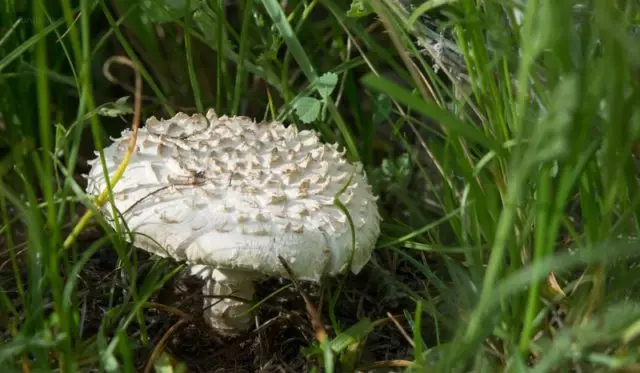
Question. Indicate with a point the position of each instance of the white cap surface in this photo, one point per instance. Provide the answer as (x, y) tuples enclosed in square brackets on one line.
[(230, 193)]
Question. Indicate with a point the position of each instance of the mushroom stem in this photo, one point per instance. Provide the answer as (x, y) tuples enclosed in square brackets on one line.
[(229, 316)]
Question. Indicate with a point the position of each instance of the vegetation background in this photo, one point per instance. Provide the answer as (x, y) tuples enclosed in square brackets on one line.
[(501, 135)]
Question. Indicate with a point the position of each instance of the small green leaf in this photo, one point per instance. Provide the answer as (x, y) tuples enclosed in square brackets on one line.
[(359, 8), (424, 8), (355, 333), (326, 84), (397, 169), (381, 107), (161, 11), (61, 135), (403, 165), (109, 361), (308, 108), (114, 109), (387, 167), (165, 365)]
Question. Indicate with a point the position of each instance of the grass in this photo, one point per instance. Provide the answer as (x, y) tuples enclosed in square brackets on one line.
[(505, 156)]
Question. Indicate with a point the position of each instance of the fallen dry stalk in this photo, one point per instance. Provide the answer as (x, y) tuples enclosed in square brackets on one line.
[(385, 364), (159, 349), (314, 316), (404, 333)]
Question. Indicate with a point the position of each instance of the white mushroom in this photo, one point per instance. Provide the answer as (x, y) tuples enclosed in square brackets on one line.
[(229, 196)]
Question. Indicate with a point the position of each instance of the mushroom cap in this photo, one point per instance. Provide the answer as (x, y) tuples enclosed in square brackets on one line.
[(228, 192)]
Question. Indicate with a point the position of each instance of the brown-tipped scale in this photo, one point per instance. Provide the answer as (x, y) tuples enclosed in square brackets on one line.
[(229, 196)]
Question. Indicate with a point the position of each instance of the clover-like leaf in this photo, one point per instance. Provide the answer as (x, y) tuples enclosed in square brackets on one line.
[(308, 108), (326, 83)]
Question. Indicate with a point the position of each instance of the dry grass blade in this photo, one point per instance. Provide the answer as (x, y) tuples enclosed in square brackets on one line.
[(157, 351), (316, 320), (385, 364), (130, 149), (171, 310), (397, 324)]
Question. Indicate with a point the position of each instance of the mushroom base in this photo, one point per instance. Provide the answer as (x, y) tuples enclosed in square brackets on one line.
[(227, 299)]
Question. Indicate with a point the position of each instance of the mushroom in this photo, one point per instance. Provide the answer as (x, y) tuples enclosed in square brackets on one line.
[(229, 196)]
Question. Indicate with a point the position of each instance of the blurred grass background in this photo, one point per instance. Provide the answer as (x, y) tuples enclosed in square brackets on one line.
[(501, 135)]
